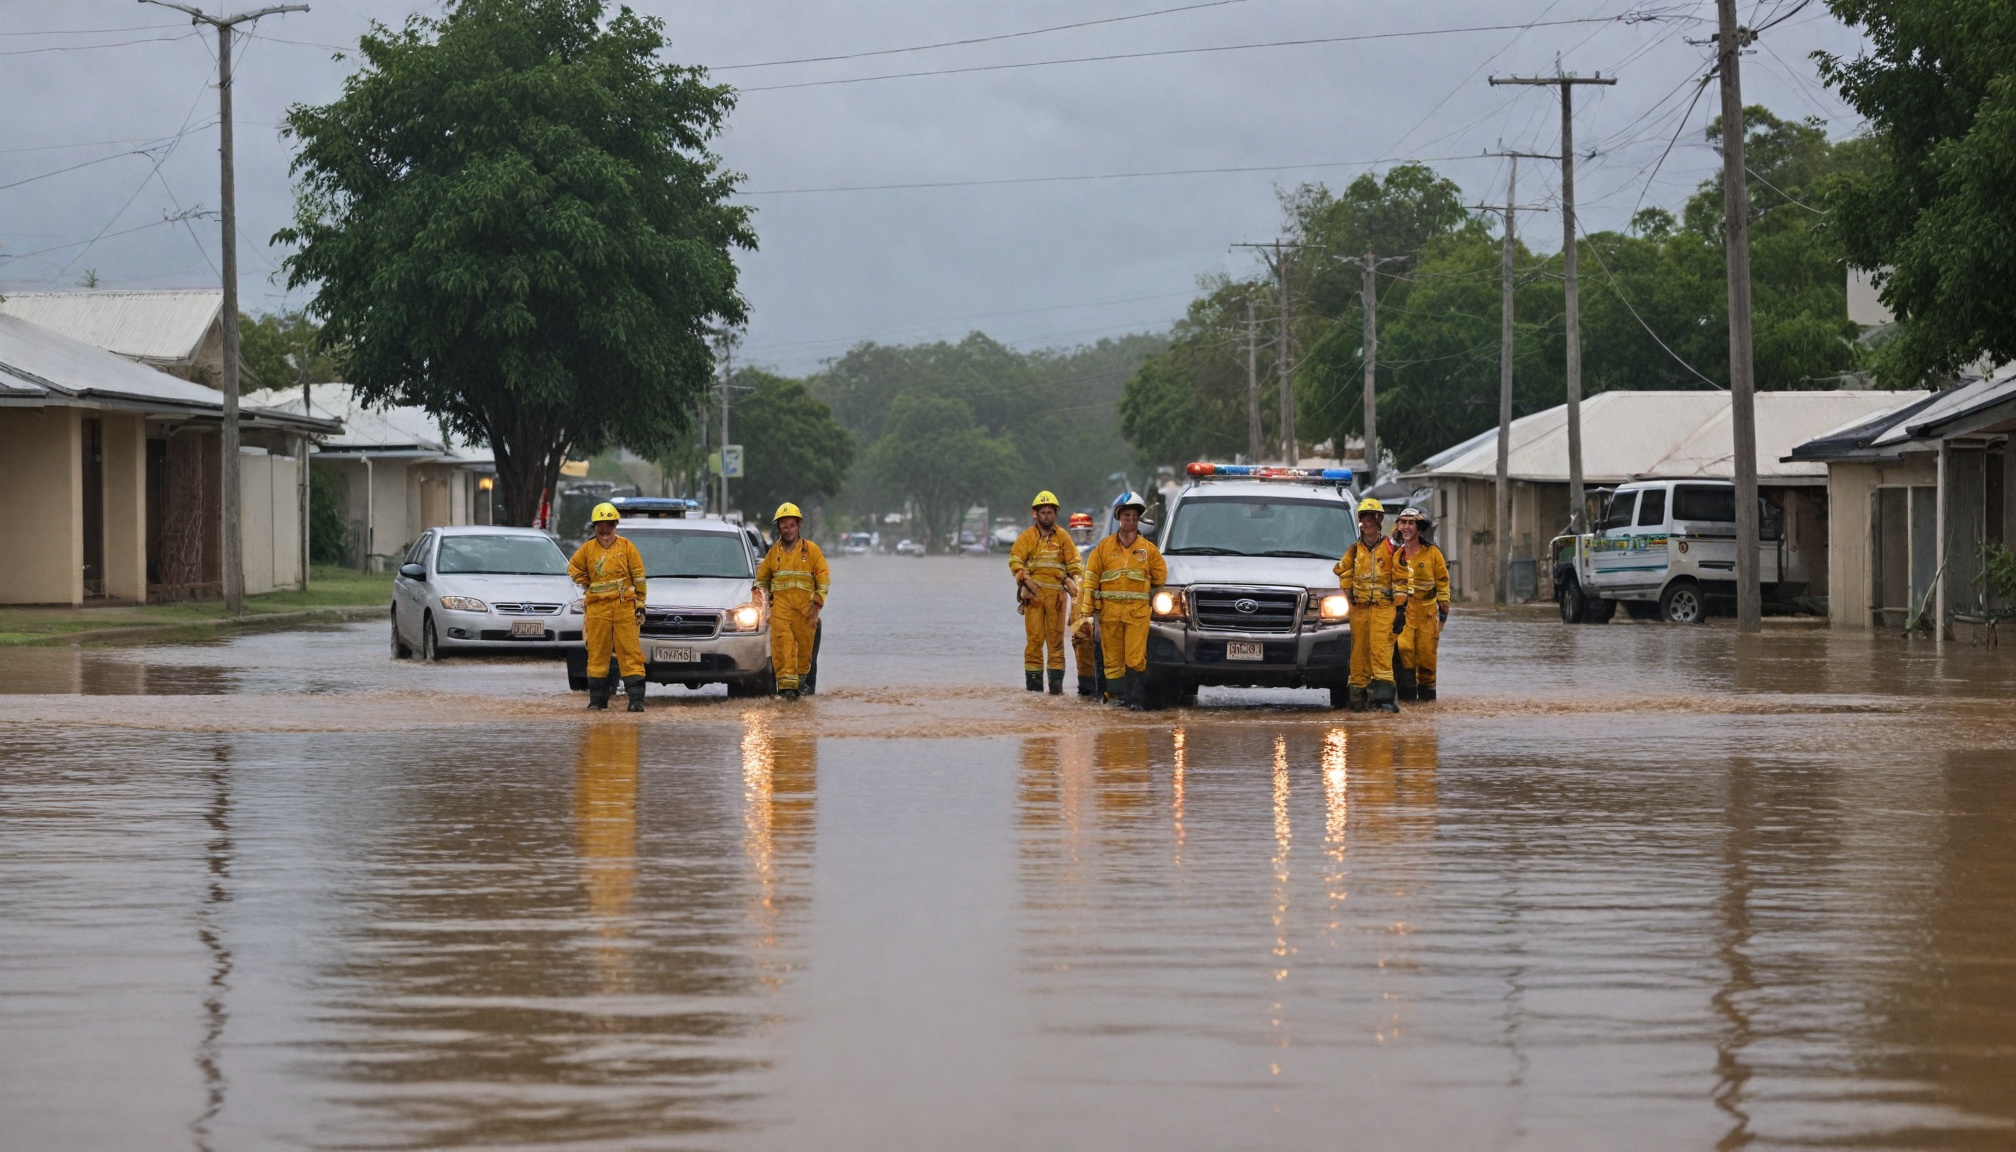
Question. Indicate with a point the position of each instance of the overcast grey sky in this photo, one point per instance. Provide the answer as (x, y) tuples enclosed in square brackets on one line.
[(1037, 263)]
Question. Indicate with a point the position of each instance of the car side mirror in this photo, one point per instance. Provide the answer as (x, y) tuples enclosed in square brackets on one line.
[(413, 571), (1148, 528)]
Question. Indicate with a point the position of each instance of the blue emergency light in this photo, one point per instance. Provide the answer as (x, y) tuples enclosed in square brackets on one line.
[(1268, 472), (655, 507)]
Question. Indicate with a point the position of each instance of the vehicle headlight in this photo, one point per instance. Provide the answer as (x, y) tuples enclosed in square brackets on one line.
[(1331, 604), (578, 607), (464, 604), (744, 618), (1168, 604)]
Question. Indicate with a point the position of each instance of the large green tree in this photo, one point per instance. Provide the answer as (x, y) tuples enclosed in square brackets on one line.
[(933, 454), (511, 218), (792, 448), (285, 350), (1935, 209)]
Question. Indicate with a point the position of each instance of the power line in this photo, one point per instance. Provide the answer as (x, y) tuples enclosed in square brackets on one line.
[(90, 47), (94, 31), (1108, 57), (975, 39), (1097, 176)]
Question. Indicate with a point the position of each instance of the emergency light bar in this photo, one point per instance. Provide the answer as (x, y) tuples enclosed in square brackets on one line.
[(655, 507), (1268, 472)]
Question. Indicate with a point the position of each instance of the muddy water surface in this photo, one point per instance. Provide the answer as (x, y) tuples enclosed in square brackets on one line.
[(1629, 886)]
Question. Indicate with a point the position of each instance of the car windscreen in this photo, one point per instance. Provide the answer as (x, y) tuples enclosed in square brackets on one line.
[(500, 556), (1259, 526), (693, 554)]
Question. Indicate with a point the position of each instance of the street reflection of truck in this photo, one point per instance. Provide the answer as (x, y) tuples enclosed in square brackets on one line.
[(1663, 549), (1252, 598)]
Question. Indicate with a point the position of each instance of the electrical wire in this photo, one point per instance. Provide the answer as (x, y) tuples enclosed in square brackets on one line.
[(976, 39), (1596, 250), (91, 47), (1099, 176)]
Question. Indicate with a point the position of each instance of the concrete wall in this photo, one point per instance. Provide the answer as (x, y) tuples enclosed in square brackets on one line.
[(1851, 486), (41, 475), (125, 505)]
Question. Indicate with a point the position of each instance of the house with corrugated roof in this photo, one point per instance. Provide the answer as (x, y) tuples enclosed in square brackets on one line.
[(1917, 489), (179, 331), (399, 472), (1631, 436), (113, 478)]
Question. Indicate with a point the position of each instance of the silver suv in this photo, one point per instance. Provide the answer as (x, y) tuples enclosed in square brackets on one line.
[(1252, 597)]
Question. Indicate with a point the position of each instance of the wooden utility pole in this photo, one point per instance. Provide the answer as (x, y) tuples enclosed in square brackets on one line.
[(1283, 362), (1253, 446), (234, 546), (727, 382), (1368, 299), (1572, 306), (1729, 44)]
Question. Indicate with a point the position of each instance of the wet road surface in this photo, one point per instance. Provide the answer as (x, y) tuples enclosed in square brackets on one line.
[(1629, 886)]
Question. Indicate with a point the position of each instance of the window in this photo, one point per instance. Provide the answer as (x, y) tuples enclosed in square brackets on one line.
[(1260, 526), (693, 555), (1618, 515), (418, 553), (1652, 509), (1713, 502), (500, 556)]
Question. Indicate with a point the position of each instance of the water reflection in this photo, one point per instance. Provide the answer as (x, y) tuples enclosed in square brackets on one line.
[(605, 822), (779, 793), (218, 852)]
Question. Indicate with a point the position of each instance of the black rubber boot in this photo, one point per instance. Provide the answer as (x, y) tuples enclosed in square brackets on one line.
[(1382, 696), (1056, 681), (1116, 691), (789, 694), (634, 685), (1032, 681), (598, 693), (1427, 694), (1088, 685), (1137, 690), (1358, 699), (1404, 684)]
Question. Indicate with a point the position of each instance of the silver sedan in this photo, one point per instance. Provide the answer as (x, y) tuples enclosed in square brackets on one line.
[(483, 588)]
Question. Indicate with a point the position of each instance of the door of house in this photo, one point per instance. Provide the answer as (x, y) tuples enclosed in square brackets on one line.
[(1903, 535), (93, 435)]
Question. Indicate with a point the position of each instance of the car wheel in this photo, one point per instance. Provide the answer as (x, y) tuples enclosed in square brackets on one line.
[(1162, 693), (1682, 603), (399, 649), (1340, 696), (577, 671), (1598, 611), (1571, 601), (430, 645)]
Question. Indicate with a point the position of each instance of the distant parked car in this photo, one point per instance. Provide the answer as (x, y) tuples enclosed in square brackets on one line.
[(855, 543), (481, 588), (909, 548)]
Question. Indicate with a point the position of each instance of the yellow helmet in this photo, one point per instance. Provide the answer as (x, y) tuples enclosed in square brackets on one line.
[(1370, 505), (604, 511), (1044, 497), (787, 509)]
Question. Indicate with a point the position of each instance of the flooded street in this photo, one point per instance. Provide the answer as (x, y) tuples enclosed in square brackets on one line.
[(1629, 886)]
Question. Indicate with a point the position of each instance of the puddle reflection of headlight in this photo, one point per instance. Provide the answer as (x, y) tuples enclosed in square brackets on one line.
[(744, 618)]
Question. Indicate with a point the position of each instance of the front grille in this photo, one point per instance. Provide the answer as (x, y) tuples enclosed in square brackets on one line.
[(1273, 610), (681, 623), (525, 609)]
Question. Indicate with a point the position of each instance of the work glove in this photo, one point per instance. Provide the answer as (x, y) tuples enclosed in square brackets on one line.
[(1441, 613), (1399, 619), (640, 616)]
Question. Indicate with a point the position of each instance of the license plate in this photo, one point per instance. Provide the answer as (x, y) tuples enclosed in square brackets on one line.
[(1245, 650), (670, 655), (528, 629)]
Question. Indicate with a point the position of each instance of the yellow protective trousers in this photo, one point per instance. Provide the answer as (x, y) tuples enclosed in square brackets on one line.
[(791, 632), (1125, 643), (611, 629), (1085, 647), (1371, 644), (1043, 626), (1417, 643)]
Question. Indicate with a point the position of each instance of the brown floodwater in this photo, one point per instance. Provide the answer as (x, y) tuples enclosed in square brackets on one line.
[(1629, 886)]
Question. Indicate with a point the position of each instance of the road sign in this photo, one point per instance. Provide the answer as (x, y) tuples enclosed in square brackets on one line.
[(731, 461)]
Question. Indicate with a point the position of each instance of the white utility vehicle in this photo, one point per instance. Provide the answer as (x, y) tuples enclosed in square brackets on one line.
[(1662, 548), (1252, 597)]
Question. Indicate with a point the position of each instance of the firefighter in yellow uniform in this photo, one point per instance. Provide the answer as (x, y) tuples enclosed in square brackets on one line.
[(1121, 576), (1376, 581), (792, 582), (1414, 665), (612, 573), (1085, 636), (1044, 561)]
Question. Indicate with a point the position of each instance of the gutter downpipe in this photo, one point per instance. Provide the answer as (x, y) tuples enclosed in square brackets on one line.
[(370, 514)]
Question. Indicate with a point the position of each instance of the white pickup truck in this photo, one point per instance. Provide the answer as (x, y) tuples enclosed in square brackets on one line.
[(1662, 548)]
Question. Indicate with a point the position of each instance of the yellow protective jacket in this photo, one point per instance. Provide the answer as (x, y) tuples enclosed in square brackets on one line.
[(612, 574), (1430, 574), (1049, 560), (1119, 579), (1373, 576), (794, 575)]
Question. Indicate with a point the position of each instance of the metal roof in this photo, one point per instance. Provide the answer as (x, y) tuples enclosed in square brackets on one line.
[(1675, 435), (377, 432), (159, 327), (42, 368)]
